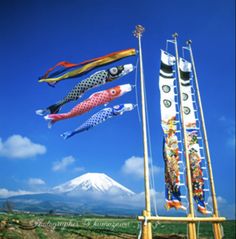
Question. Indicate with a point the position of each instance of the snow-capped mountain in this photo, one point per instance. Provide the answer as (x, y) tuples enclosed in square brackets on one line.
[(92, 182), (90, 193)]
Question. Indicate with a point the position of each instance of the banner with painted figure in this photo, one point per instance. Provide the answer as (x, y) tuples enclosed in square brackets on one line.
[(192, 136), (167, 84), (66, 70)]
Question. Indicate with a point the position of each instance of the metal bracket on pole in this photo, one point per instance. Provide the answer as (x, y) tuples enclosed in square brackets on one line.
[(139, 29)]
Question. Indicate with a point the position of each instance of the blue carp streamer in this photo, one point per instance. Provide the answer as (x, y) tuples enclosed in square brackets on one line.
[(99, 118)]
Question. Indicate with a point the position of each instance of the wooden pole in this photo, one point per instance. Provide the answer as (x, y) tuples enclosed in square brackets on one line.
[(216, 226), (147, 227), (191, 225), (182, 219)]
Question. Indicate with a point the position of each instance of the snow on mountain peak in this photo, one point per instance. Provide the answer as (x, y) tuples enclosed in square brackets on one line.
[(95, 182)]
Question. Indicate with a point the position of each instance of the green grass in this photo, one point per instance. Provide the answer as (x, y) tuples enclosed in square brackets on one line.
[(91, 226), (11, 235), (40, 233)]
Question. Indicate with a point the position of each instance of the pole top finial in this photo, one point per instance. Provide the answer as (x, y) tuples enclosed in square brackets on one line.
[(188, 42), (175, 35), (139, 29)]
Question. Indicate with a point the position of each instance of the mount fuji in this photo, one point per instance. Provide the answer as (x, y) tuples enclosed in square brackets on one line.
[(87, 194), (92, 182)]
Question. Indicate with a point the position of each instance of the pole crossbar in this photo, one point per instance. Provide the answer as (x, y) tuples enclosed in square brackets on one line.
[(182, 219)]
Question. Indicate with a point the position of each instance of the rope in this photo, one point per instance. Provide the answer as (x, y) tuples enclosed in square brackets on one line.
[(187, 231), (148, 133), (167, 45), (149, 137), (145, 221), (183, 52), (151, 155), (198, 229), (136, 90), (222, 230), (140, 230)]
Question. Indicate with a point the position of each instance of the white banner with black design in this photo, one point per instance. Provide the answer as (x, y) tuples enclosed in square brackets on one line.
[(167, 82), (186, 89), (167, 85)]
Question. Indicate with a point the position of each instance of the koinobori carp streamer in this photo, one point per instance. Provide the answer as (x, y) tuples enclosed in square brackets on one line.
[(75, 70), (169, 124), (100, 117), (96, 99), (190, 121), (97, 79)]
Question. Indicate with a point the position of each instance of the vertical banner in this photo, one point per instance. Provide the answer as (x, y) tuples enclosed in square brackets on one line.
[(192, 135), (167, 84)]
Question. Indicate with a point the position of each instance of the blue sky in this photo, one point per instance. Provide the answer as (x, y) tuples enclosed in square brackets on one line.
[(34, 35)]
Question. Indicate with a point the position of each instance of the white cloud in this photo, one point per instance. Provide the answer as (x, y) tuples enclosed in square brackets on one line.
[(231, 140), (17, 146), (136, 200), (63, 164), (139, 199), (229, 128), (79, 169), (157, 170), (134, 166), (5, 193), (35, 181), (225, 208), (222, 118)]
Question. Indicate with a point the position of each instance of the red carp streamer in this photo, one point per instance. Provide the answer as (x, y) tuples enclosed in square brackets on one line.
[(96, 99)]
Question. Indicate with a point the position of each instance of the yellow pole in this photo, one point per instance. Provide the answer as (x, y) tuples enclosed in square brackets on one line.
[(191, 225), (147, 226), (182, 219), (216, 226)]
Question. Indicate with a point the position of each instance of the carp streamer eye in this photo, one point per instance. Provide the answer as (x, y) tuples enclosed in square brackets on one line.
[(116, 107), (114, 70), (113, 92)]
